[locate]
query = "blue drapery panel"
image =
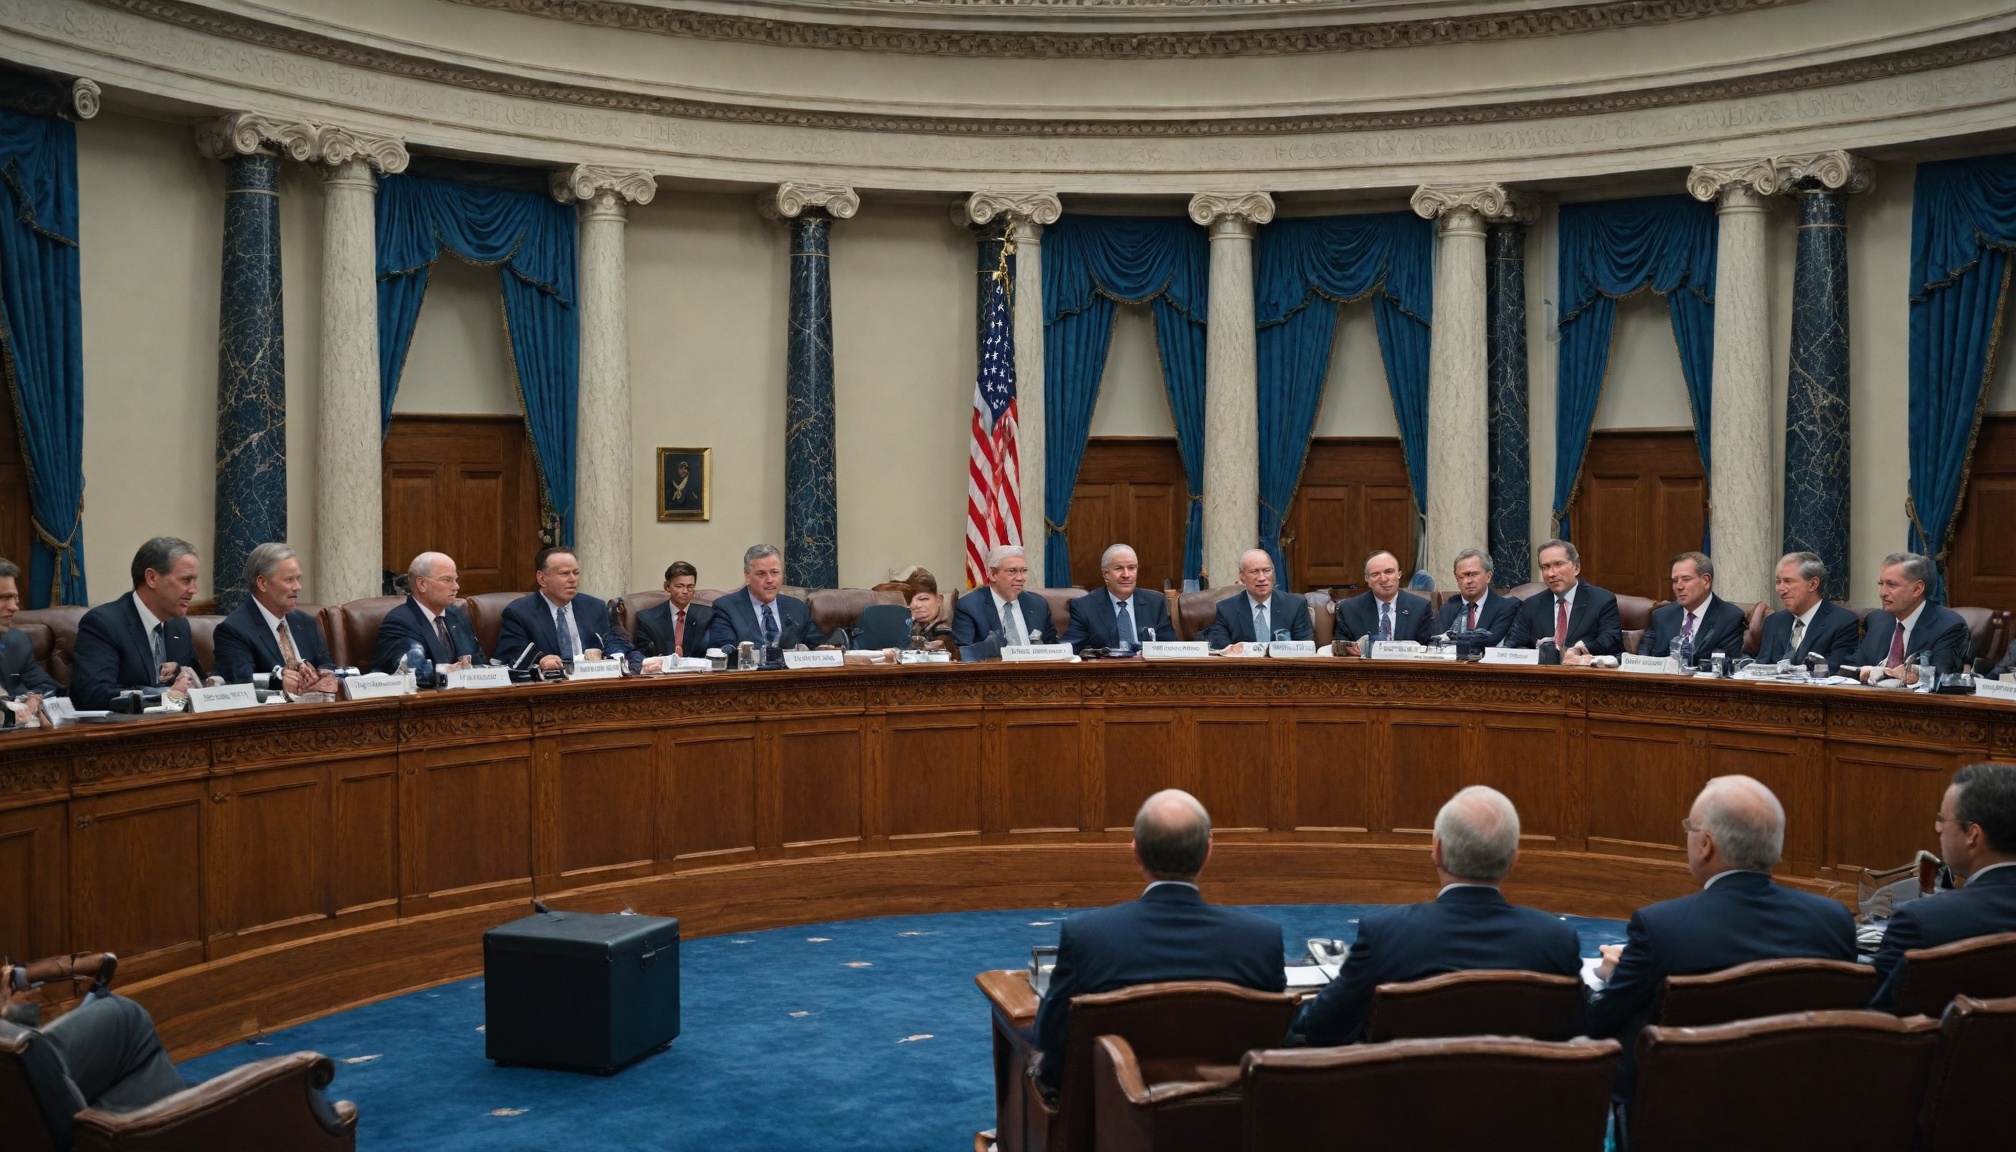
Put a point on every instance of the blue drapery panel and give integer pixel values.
(1337, 259)
(1963, 226)
(1610, 250)
(530, 237)
(1089, 264)
(44, 342)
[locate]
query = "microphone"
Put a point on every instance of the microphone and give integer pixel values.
(519, 665)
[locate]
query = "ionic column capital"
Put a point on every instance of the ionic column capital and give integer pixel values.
(1019, 210)
(1741, 182)
(1455, 204)
(1231, 213)
(603, 189)
(336, 145)
(792, 199)
(246, 133)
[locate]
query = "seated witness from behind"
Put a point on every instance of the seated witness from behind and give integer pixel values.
(1476, 607)
(1383, 612)
(560, 622)
(268, 632)
(677, 627)
(1976, 825)
(1468, 925)
(1170, 933)
(1121, 616)
(928, 629)
(1004, 607)
(1576, 617)
(757, 613)
(1735, 833)
(21, 676)
(1263, 612)
(1910, 629)
(106, 1048)
(1809, 625)
(1697, 618)
(429, 618)
(141, 640)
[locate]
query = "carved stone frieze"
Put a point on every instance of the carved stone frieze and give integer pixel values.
(1250, 208)
(1037, 207)
(583, 182)
(792, 199)
(243, 133)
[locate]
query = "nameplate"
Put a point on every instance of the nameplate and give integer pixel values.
(828, 658)
(923, 656)
(223, 698)
(1036, 653)
(1511, 656)
(671, 664)
(1292, 649)
(1247, 650)
(374, 685)
(1663, 665)
(1176, 650)
(596, 670)
(1762, 671)
(1394, 650)
(484, 677)
(1994, 689)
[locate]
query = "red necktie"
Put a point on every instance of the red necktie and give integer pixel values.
(1472, 625)
(441, 630)
(679, 634)
(1560, 621)
(1896, 657)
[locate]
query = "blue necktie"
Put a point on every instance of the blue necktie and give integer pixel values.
(1124, 624)
(1385, 622)
(770, 633)
(570, 647)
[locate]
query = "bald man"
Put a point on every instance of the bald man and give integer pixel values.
(429, 618)
(1263, 612)
(1735, 833)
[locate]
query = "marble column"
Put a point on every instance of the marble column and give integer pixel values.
(1027, 213)
(1231, 381)
(603, 450)
(1511, 501)
(811, 502)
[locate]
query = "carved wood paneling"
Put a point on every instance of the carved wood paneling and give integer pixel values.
(32, 884)
(594, 808)
(707, 804)
(137, 867)
(933, 775)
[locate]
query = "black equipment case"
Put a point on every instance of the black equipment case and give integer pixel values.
(582, 991)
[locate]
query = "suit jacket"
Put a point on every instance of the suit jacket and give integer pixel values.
(1721, 629)
(1094, 623)
(1461, 930)
(407, 625)
(1413, 619)
(1983, 906)
(114, 654)
(974, 616)
(1834, 633)
(1940, 631)
(735, 621)
(655, 630)
(244, 645)
(19, 671)
(1495, 617)
(1592, 621)
(1741, 917)
(1170, 933)
(529, 619)
(1234, 623)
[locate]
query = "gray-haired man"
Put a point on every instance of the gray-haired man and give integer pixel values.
(757, 614)
(268, 631)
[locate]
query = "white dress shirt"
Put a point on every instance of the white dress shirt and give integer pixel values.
(273, 626)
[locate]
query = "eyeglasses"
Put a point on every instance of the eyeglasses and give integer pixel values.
(1940, 820)
(1690, 827)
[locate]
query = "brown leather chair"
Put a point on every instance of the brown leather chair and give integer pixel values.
(1632, 638)
(1968, 1105)
(624, 610)
(835, 608)
(352, 629)
(1522, 591)
(203, 637)
(486, 615)
(1482, 1002)
(1765, 988)
(1322, 617)
(1477, 1092)
(1059, 600)
(1135, 1113)
(60, 658)
(1753, 631)
(1982, 967)
(1775, 1083)
(1988, 628)
(1635, 612)
(1194, 611)
(41, 641)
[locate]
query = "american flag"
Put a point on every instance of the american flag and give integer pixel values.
(993, 479)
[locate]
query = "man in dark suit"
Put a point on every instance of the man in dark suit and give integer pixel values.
(1121, 617)
(105, 1049)
(1476, 607)
(1977, 838)
(1809, 625)
(1909, 629)
(677, 627)
(1701, 621)
(1735, 833)
(1004, 607)
(1383, 612)
(20, 674)
(141, 640)
(1577, 618)
(1264, 612)
(429, 618)
(561, 622)
(1170, 933)
(267, 632)
(1468, 925)
(758, 614)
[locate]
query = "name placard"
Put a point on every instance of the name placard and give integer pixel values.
(923, 656)
(374, 685)
(1291, 649)
(485, 677)
(671, 664)
(1176, 650)
(1663, 665)
(1036, 653)
(1761, 671)
(830, 658)
(1248, 650)
(223, 698)
(595, 670)
(1394, 650)
(1994, 689)
(1511, 656)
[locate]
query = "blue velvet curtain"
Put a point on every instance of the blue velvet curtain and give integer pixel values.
(1611, 250)
(1337, 259)
(1963, 226)
(531, 238)
(44, 344)
(1090, 263)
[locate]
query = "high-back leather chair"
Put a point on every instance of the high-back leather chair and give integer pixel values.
(1987, 629)
(1765, 988)
(1634, 613)
(203, 638)
(1194, 611)
(1322, 617)
(1522, 591)
(624, 610)
(835, 608)
(60, 658)
(1753, 630)
(1982, 967)
(1059, 600)
(1133, 1112)
(352, 629)
(41, 641)
(1968, 1105)
(1483, 1002)
(1775, 1083)
(486, 615)
(1476, 1092)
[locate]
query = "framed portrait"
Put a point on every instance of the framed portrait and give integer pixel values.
(685, 484)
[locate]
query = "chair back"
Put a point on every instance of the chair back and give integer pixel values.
(486, 615)
(1776, 1083)
(1482, 1002)
(883, 626)
(31, 1084)
(1521, 591)
(624, 610)
(1059, 600)
(1477, 1092)
(1765, 988)
(203, 638)
(1194, 611)
(1981, 967)
(1753, 630)
(352, 629)
(62, 623)
(841, 607)
(1322, 617)
(1635, 612)
(1968, 1105)
(1987, 630)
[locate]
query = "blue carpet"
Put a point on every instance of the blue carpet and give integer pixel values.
(858, 1034)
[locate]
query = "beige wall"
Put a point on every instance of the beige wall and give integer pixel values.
(1132, 399)
(1356, 399)
(458, 361)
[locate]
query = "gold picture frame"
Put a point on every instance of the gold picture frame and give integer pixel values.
(688, 494)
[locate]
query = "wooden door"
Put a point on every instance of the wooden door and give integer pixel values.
(1130, 491)
(1354, 499)
(464, 485)
(1643, 500)
(1981, 569)
(16, 533)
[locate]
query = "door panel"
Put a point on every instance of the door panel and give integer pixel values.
(1982, 571)
(464, 485)
(1354, 499)
(1642, 501)
(1130, 491)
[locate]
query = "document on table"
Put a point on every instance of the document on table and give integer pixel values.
(1589, 966)
(1310, 975)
